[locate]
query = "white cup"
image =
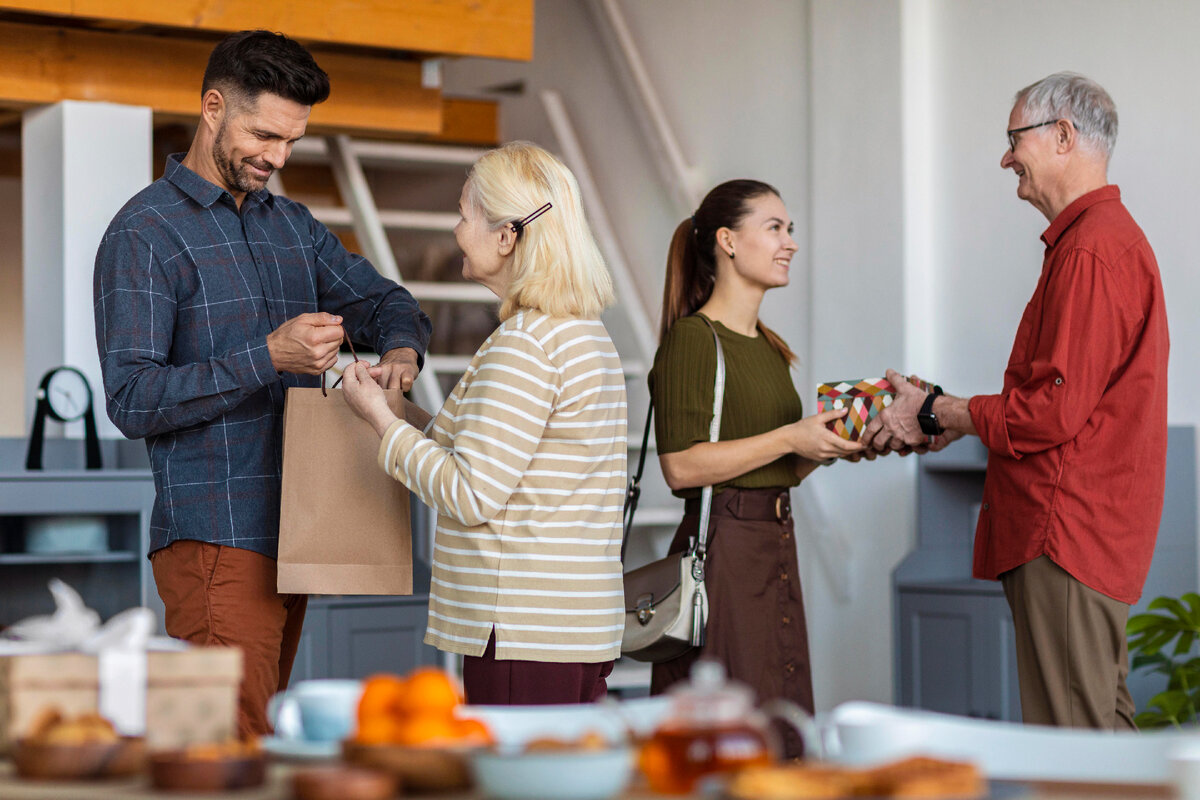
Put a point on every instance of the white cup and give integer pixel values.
(316, 710)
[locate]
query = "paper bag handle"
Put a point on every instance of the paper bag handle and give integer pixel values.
(345, 336)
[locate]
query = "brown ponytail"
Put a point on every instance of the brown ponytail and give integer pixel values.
(691, 260)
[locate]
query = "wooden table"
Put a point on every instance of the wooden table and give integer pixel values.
(278, 787)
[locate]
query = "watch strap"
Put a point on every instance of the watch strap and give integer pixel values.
(926, 418)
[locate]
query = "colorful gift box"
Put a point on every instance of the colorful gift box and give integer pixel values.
(190, 695)
(865, 398)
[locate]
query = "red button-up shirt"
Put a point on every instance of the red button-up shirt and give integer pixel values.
(1077, 440)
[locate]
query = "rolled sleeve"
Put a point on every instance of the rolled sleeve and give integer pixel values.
(987, 412)
(1085, 325)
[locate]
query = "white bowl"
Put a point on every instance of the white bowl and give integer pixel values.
(554, 774)
(514, 726)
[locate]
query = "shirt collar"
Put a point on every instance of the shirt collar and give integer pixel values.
(202, 191)
(1072, 212)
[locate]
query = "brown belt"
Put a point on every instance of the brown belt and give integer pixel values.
(773, 504)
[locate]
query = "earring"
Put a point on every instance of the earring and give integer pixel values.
(731, 254)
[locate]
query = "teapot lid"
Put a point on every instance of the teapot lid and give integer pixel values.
(709, 698)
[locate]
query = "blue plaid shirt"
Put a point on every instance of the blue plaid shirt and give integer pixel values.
(186, 291)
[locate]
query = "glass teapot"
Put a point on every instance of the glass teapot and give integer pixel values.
(712, 728)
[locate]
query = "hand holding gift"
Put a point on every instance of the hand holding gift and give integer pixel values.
(908, 421)
(889, 404)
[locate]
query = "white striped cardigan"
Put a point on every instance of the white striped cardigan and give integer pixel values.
(525, 465)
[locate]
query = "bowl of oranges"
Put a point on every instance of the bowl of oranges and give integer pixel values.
(410, 727)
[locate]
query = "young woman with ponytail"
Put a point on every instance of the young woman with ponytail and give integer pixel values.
(722, 260)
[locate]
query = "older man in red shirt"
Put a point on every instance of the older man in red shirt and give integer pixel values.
(1077, 438)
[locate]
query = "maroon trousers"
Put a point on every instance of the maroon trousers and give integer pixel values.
(491, 682)
(218, 595)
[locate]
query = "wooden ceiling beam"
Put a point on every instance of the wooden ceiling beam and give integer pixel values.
(483, 28)
(41, 64)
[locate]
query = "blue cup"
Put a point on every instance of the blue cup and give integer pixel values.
(316, 710)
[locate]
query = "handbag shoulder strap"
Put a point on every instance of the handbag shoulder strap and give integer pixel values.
(634, 491)
(714, 434)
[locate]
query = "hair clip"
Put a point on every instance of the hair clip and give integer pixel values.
(519, 225)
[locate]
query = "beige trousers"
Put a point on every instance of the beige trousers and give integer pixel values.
(1072, 655)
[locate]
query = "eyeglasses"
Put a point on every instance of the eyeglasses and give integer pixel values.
(1012, 134)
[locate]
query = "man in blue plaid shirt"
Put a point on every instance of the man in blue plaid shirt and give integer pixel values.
(212, 296)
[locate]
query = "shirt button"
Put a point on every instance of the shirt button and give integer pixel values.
(985, 506)
(790, 668)
(785, 620)
(1058, 381)
(783, 576)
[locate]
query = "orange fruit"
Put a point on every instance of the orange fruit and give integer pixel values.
(426, 729)
(429, 691)
(377, 730)
(472, 731)
(380, 697)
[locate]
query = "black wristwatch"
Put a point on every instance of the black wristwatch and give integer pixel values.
(926, 418)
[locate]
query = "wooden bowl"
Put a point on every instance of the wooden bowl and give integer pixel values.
(419, 769)
(174, 770)
(87, 760)
(343, 783)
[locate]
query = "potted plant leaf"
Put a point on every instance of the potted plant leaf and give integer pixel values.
(1163, 643)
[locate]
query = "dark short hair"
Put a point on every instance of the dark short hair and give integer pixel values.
(248, 63)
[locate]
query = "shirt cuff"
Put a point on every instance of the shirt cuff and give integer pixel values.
(987, 413)
(261, 365)
(393, 344)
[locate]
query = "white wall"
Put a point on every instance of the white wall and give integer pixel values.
(988, 253)
(883, 125)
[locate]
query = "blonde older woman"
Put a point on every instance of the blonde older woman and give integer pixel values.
(525, 462)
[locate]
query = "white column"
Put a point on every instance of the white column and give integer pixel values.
(80, 163)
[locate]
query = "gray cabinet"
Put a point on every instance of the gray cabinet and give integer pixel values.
(344, 637)
(112, 573)
(956, 651)
(353, 637)
(954, 647)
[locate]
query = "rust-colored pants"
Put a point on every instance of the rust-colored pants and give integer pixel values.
(491, 682)
(1072, 657)
(218, 595)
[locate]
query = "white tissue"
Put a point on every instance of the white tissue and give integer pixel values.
(71, 624)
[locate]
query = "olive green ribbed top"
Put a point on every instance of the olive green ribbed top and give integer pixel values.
(759, 396)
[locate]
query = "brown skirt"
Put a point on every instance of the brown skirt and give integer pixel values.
(756, 624)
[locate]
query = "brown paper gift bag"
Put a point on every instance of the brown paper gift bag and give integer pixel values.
(344, 524)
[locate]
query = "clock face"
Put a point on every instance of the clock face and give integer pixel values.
(68, 394)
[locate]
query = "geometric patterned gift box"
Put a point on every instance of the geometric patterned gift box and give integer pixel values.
(865, 398)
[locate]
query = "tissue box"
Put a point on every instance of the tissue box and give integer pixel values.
(191, 695)
(865, 398)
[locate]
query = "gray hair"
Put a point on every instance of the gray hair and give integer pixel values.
(1069, 95)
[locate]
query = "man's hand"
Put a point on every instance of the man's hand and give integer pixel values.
(365, 397)
(896, 426)
(397, 369)
(307, 344)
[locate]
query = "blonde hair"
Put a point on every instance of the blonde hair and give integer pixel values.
(557, 267)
